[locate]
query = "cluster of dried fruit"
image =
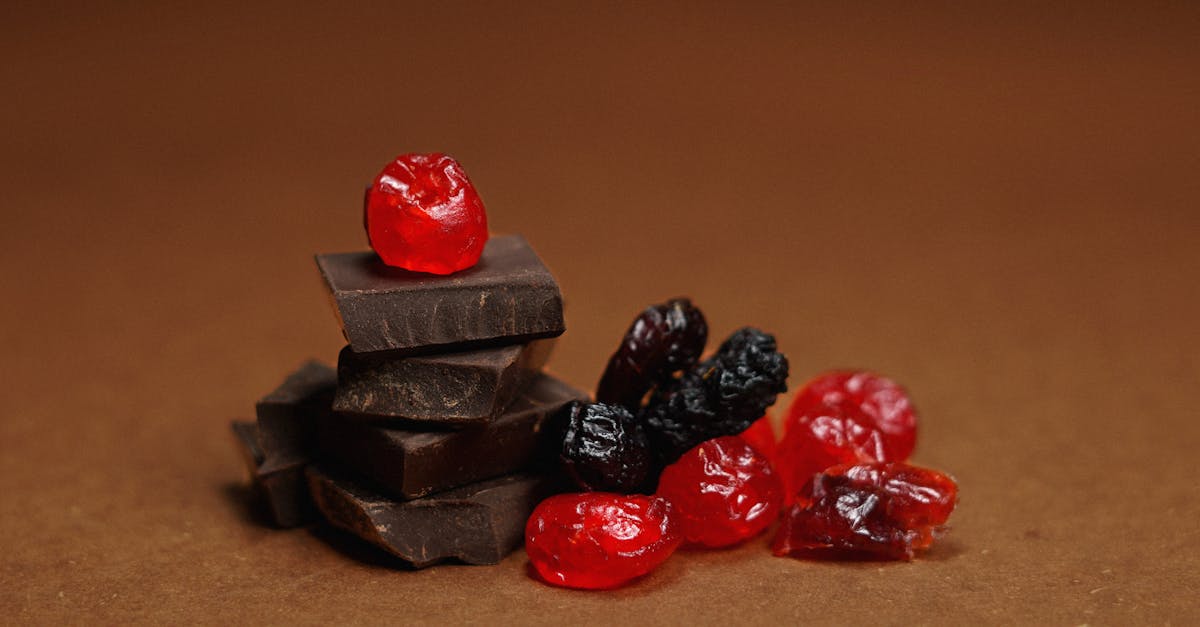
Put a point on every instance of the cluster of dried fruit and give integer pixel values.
(679, 450)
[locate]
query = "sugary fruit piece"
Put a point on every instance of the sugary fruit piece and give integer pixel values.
(661, 343)
(845, 417)
(723, 492)
(719, 396)
(423, 214)
(604, 447)
(760, 435)
(879, 510)
(599, 540)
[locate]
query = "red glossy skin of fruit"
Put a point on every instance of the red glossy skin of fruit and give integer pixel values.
(423, 214)
(760, 435)
(600, 540)
(723, 491)
(879, 510)
(845, 417)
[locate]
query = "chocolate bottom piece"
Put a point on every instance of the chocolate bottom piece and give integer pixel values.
(464, 388)
(509, 297)
(287, 416)
(282, 486)
(409, 464)
(477, 524)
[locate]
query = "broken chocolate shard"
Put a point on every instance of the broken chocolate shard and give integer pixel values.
(509, 297)
(287, 416)
(281, 486)
(471, 387)
(409, 464)
(476, 524)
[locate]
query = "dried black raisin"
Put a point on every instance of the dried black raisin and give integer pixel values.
(720, 396)
(604, 447)
(662, 342)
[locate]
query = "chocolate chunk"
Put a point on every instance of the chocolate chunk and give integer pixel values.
(477, 524)
(410, 464)
(282, 486)
(287, 416)
(464, 388)
(509, 297)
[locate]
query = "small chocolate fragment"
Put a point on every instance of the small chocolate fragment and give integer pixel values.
(470, 387)
(509, 297)
(476, 524)
(287, 416)
(282, 486)
(409, 464)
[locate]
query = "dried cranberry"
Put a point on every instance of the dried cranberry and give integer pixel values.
(723, 492)
(845, 417)
(880, 510)
(423, 214)
(598, 540)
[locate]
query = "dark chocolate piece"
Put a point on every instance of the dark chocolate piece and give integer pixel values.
(477, 524)
(471, 387)
(282, 486)
(408, 464)
(287, 416)
(509, 297)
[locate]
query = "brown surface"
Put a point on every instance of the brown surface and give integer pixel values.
(997, 207)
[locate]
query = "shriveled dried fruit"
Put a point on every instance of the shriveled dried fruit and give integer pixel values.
(719, 396)
(723, 492)
(598, 540)
(880, 510)
(604, 447)
(662, 342)
(845, 417)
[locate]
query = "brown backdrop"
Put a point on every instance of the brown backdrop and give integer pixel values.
(998, 207)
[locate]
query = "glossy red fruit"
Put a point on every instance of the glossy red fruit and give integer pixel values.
(845, 417)
(423, 214)
(599, 540)
(723, 490)
(881, 510)
(761, 436)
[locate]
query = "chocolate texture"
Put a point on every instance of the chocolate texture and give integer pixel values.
(509, 297)
(470, 387)
(280, 485)
(287, 416)
(476, 524)
(409, 464)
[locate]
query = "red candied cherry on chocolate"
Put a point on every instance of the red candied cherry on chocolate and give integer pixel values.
(723, 491)
(423, 214)
(844, 417)
(880, 510)
(599, 540)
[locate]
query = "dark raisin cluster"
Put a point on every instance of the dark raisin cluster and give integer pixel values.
(720, 396)
(657, 402)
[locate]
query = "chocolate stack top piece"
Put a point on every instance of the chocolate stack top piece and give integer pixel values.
(509, 297)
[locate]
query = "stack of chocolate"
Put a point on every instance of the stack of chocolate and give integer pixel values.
(425, 439)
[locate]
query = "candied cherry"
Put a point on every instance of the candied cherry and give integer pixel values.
(723, 491)
(879, 510)
(423, 214)
(600, 540)
(761, 436)
(845, 417)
